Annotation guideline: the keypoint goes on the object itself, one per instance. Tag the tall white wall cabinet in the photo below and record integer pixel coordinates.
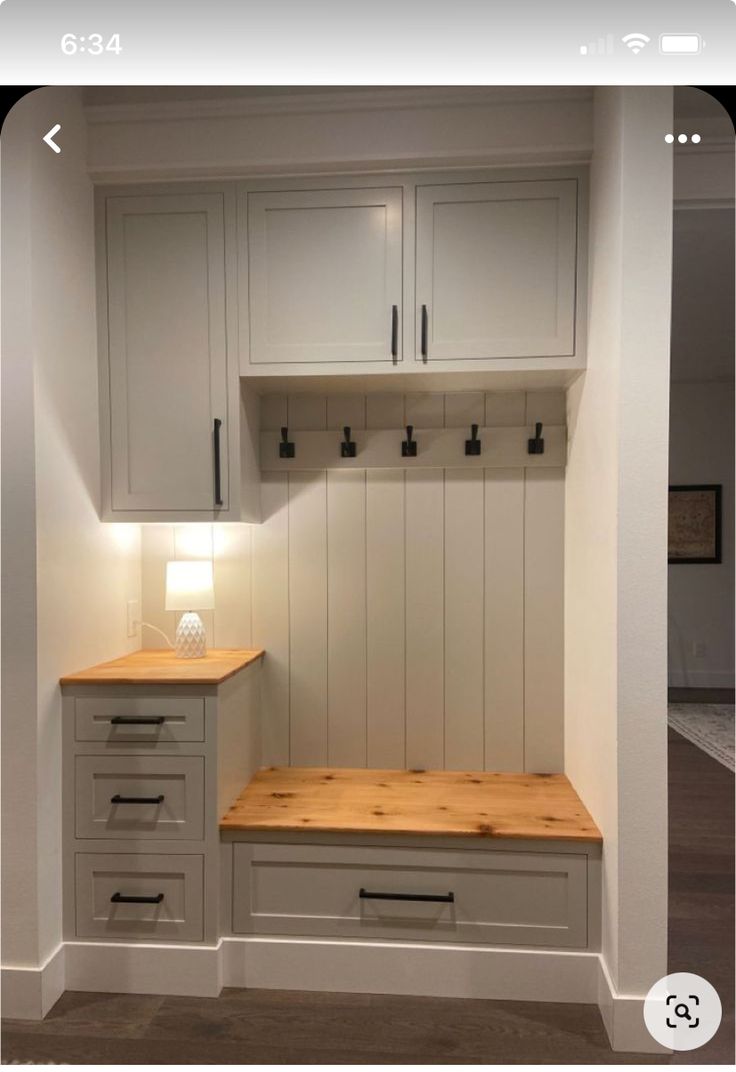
(175, 432)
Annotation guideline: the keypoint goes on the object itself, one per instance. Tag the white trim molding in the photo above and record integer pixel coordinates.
(29, 993)
(623, 1017)
(421, 969)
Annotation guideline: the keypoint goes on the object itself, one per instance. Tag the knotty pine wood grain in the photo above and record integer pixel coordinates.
(452, 803)
(153, 666)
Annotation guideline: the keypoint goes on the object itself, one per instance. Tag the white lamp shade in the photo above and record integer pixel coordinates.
(189, 586)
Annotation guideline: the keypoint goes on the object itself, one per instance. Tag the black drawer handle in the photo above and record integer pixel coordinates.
(117, 799)
(443, 898)
(128, 898)
(394, 332)
(218, 473)
(137, 720)
(425, 332)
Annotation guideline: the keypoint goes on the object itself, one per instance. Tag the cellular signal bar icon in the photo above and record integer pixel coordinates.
(602, 47)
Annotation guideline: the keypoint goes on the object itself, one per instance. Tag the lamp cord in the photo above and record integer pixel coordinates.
(139, 621)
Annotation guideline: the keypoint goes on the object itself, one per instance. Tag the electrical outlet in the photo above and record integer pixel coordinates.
(133, 616)
(699, 649)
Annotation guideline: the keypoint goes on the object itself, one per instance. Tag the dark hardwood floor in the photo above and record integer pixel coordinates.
(277, 1027)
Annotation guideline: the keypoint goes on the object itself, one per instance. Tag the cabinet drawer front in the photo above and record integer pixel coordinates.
(168, 901)
(149, 720)
(325, 275)
(494, 897)
(156, 797)
(496, 267)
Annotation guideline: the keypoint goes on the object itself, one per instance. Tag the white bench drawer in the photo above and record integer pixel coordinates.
(139, 896)
(139, 720)
(494, 897)
(156, 797)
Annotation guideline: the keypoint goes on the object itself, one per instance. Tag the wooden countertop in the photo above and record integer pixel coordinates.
(439, 803)
(154, 666)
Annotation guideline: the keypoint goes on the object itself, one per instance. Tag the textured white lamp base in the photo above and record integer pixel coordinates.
(191, 639)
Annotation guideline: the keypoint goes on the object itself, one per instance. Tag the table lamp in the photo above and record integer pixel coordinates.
(189, 588)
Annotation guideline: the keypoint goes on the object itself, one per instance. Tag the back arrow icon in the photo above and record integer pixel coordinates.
(49, 138)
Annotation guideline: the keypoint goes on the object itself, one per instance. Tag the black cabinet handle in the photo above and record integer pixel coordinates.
(218, 473)
(128, 898)
(425, 326)
(137, 720)
(443, 898)
(117, 799)
(394, 332)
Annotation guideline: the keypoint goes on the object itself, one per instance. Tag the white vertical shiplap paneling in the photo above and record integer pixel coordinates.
(384, 411)
(425, 410)
(505, 408)
(464, 408)
(424, 618)
(543, 614)
(464, 623)
(274, 412)
(410, 618)
(385, 609)
(307, 413)
(346, 619)
(545, 406)
(308, 618)
(233, 627)
(271, 614)
(504, 619)
(345, 410)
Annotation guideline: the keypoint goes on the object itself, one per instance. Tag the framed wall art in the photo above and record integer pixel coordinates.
(694, 529)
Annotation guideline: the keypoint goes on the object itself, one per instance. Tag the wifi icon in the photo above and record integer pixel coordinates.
(636, 41)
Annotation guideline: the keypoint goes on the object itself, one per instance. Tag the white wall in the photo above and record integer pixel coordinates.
(66, 576)
(411, 619)
(616, 525)
(701, 596)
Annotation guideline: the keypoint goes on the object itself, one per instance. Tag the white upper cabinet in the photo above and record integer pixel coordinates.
(496, 270)
(325, 276)
(166, 425)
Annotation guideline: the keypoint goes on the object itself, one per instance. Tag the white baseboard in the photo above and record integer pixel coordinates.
(623, 1017)
(700, 679)
(119, 967)
(30, 993)
(331, 964)
(421, 969)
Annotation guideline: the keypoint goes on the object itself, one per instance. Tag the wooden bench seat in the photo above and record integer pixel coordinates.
(411, 802)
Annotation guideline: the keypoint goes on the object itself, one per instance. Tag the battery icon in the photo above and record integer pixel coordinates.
(680, 44)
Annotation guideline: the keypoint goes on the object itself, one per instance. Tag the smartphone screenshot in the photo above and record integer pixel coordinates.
(367, 532)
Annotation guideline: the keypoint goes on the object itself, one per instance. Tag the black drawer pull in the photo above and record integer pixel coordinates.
(443, 898)
(117, 799)
(425, 332)
(137, 720)
(394, 332)
(129, 898)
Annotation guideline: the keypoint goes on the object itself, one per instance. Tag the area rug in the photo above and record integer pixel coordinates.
(709, 726)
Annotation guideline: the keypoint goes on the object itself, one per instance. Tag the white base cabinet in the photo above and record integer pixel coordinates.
(495, 896)
(148, 771)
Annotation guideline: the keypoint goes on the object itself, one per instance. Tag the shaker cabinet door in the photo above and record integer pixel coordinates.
(496, 267)
(167, 352)
(325, 276)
